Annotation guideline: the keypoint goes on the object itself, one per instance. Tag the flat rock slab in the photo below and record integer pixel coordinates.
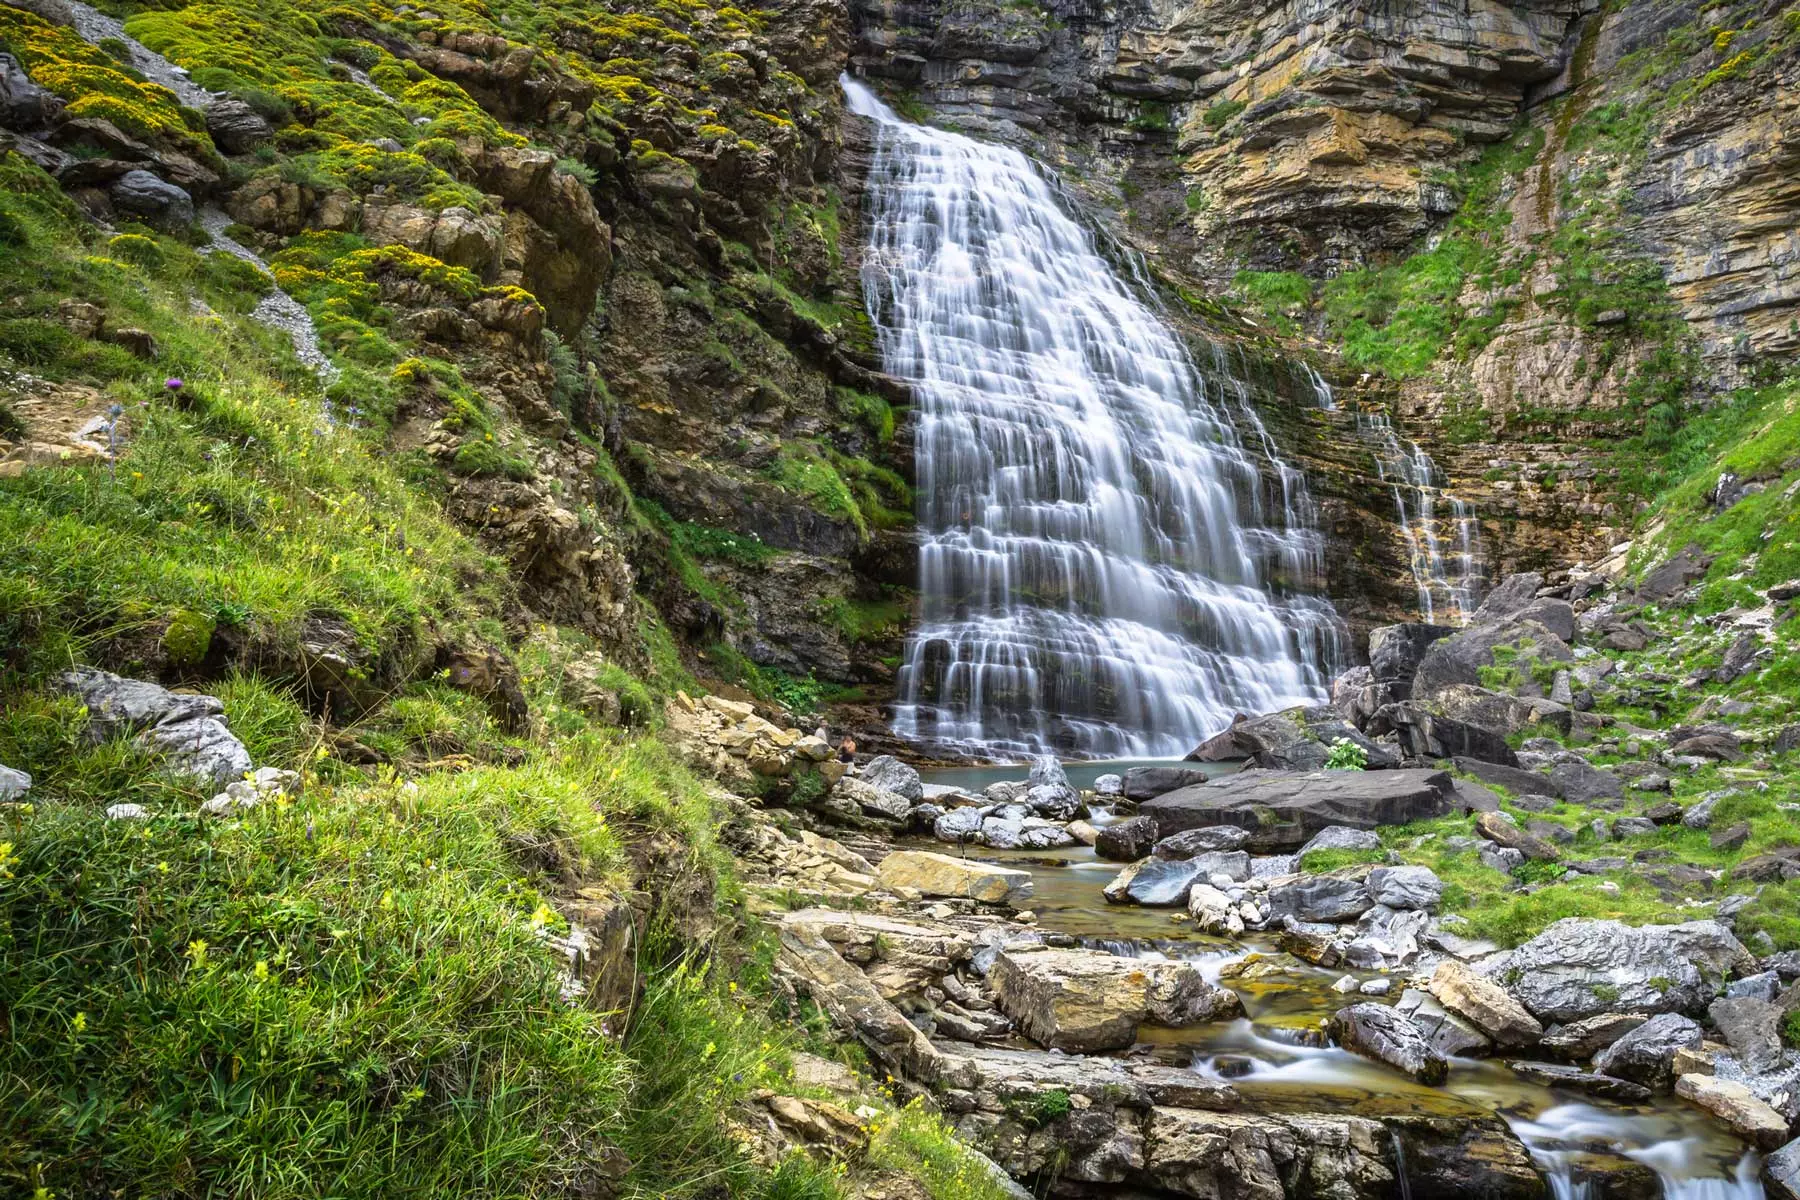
(1281, 810)
(1561, 1075)
(940, 875)
(1484, 1004)
(1085, 1000)
(1733, 1103)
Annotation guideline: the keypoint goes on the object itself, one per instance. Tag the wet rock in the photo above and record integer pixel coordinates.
(1580, 782)
(1559, 1075)
(13, 783)
(1127, 840)
(1081, 1001)
(1281, 809)
(1190, 842)
(1161, 882)
(188, 730)
(890, 774)
(1334, 896)
(152, 200)
(1738, 1107)
(1646, 1055)
(871, 800)
(1379, 1032)
(941, 875)
(1580, 968)
(1484, 1004)
(1406, 887)
(1109, 785)
(1449, 1034)
(1587, 1037)
(1313, 942)
(1502, 832)
(1146, 783)
(1049, 792)
(1752, 1027)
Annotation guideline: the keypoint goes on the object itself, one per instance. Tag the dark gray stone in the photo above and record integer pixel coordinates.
(1382, 1033)
(1147, 783)
(1282, 809)
(1781, 1172)
(1561, 1075)
(1508, 597)
(1406, 887)
(1298, 739)
(153, 201)
(1127, 840)
(1331, 897)
(1583, 783)
(1395, 652)
(236, 128)
(1646, 1055)
(1424, 734)
(1680, 571)
(1581, 968)
(23, 104)
(1752, 1028)
(1587, 1037)
(1516, 780)
(1459, 659)
(1190, 842)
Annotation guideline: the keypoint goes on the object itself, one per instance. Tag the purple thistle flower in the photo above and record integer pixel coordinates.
(173, 384)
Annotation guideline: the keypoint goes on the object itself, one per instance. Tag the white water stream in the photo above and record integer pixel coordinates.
(1107, 569)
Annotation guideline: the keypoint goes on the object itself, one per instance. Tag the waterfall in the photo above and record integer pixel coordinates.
(1448, 580)
(1101, 571)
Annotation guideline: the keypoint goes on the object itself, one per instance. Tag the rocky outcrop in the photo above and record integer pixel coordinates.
(1581, 968)
(941, 875)
(1282, 809)
(1086, 1000)
(187, 731)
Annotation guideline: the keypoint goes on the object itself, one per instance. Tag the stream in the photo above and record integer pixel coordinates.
(1267, 1058)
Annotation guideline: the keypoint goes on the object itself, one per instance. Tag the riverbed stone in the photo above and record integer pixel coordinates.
(890, 774)
(1191, 842)
(1484, 1003)
(1585, 1038)
(1449, 1034)
(1781, 1172)
(1146, 783)
(1127, 840)
(1049, 792)
(1082, 1001)
(1580, 967)
(1562, 1075)
(1738, 1107)
(940, 875)
(959, 825)
(1109, 786)
(1154, 882)
(873, 801)
(1410, 887)
(1281, 810)
(1646, 1055)
(1332, 896)
(1380, 1032)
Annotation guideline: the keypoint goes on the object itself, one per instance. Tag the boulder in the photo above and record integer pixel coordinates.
(1680, 570)
(890, 774)
(1208, 839)
(23, 104)
(1334, 896)
(1109, 786)
(1497, 829)
(940, 875)
(1646, 1055)
(1561, 1075)
(189, 731)
(1581, 968)
(1752, 1027)
(1395, 652)
(1460, 659)
(1339, 837)
(1213, 911)
(1501, 713)
(1282, 809)
(1516, 780)
(961, 826)
(236, 128)
(1298, 739)
(1081, 1001)
(1146, 783)
(1424, 733)
(1449, 1034)
(1158, 882)
(1580, 782)
(1507, 597)
(1126, 841)
(1379, 1032)
(1746, 1114)
(1025, 833)
(152, 200)
(1781, 1172)
(871, 800)
(13, 783)
(1407, 887)
(1585, 1038)
(1049, 792)
(1484, 1004)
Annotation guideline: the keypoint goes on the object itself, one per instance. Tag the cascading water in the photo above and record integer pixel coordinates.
(1448, 581)
(1097, 573)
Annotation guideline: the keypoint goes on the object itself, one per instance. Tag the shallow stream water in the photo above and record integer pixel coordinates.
(1695, 1156)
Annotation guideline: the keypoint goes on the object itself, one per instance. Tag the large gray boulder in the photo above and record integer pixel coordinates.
(1516, 780)
(1752, 1028)
(872, 800)
(1501, 713)
(1409, 887)
(1581, 968)
(1280, 810)
(1081, 1001)
(1646, 1055)
(1424, 733)
(1158, 882)
(1050, 793)
(1298, 739)
(236, 128)
(1382, 1033)
(959, 826)
(1338, 837)
(890, 774)
(1781, 1172)
(1507, 597)
(1460, 659)
(1190, 842)
(188, 731)
(1580, 782)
